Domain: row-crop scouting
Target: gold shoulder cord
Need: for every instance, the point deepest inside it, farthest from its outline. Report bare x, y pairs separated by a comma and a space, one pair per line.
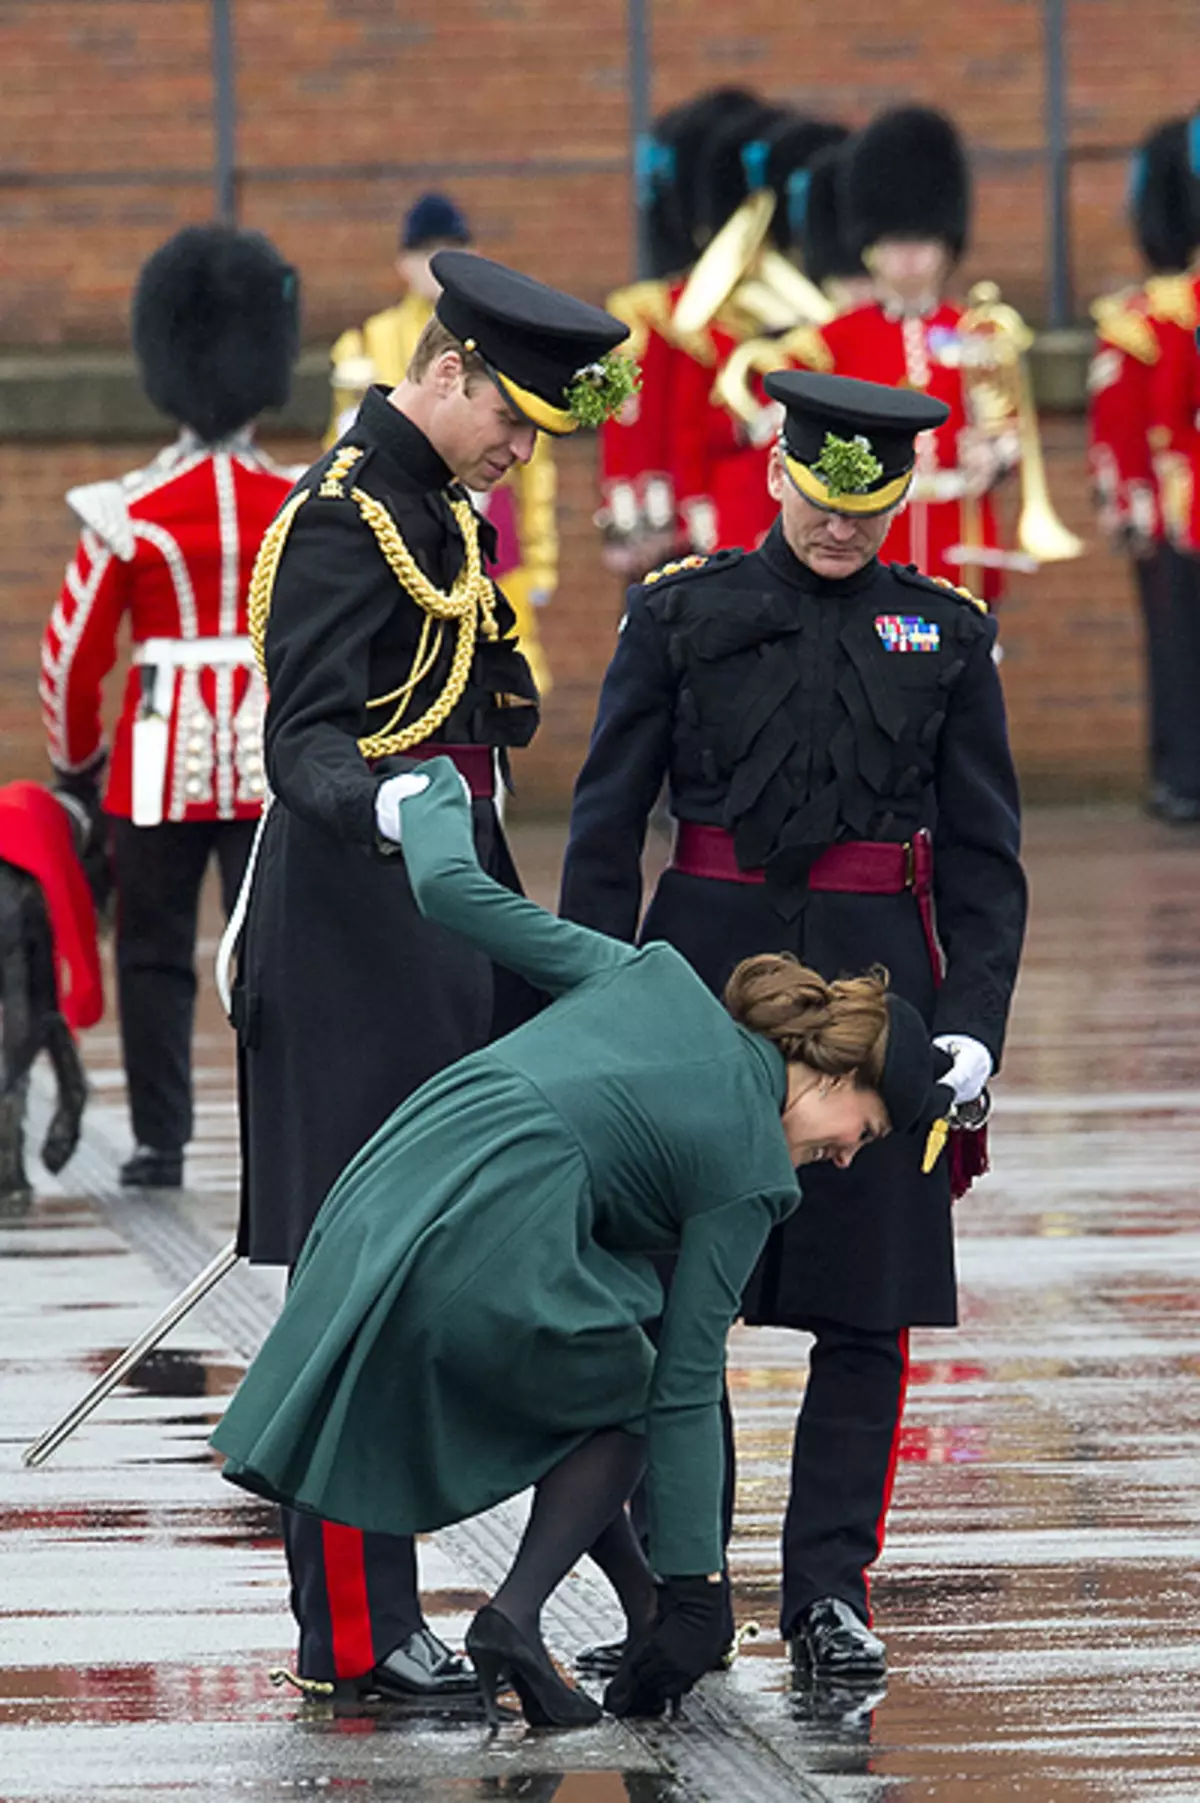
470, 603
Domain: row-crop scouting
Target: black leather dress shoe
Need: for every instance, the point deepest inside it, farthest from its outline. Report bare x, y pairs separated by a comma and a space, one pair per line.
421, 1669
421, 1674
1172, 806
830, 1640
151, 1168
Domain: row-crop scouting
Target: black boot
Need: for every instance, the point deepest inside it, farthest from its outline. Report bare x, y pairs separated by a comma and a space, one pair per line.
829, 1640
152, 1167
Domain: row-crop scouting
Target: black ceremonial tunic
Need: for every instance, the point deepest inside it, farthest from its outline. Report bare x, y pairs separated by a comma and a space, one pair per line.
347, 1000
769, 699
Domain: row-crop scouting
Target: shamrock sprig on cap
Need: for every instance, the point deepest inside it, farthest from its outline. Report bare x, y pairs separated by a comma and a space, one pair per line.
847, 466
600, 390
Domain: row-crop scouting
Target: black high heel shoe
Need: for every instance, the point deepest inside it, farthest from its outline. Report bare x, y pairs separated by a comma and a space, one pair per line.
499, 1651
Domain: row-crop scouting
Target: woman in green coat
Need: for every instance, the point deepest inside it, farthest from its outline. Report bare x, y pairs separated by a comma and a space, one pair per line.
466, 1317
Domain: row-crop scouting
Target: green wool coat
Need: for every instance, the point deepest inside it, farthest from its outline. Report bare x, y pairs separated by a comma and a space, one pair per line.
468, 1307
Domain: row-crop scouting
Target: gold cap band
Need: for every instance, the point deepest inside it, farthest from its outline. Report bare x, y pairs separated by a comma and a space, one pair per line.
814, 490
555, 420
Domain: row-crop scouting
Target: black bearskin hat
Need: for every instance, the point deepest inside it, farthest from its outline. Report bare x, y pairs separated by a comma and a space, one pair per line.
216, 328
825, 249
908, 178
667, 173
733, 163
792, 155
1164, 194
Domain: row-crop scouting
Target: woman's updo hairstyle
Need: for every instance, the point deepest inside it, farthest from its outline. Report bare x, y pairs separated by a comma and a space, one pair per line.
839, 1028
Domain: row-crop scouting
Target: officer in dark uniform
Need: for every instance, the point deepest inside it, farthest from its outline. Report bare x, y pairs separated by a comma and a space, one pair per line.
833, 733
384, 642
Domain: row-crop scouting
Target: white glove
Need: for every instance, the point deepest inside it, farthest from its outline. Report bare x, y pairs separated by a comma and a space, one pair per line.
972, 1066
388, 798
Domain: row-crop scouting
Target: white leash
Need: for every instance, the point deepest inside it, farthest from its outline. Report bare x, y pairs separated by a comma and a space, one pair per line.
231, 938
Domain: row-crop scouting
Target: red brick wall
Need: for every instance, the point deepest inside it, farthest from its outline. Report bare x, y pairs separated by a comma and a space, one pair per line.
519, 108
396, 94
1072, 656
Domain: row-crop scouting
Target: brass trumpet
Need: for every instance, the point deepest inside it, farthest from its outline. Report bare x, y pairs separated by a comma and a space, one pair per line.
999, 392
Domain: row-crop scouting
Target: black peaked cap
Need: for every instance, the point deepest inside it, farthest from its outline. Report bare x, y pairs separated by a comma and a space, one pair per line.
536, 336
889, 417
216, 328
908, 177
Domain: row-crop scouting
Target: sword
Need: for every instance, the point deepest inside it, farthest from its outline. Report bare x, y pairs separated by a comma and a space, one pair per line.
970, 1116
52, 1439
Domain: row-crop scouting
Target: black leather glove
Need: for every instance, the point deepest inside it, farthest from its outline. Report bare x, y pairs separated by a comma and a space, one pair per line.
85, 784
692, 1628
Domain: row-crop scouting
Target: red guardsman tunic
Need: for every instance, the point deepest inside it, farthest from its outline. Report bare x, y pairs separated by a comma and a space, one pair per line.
172, 546
719, 472
1120, 413
922, 352
637, 494
1174, 307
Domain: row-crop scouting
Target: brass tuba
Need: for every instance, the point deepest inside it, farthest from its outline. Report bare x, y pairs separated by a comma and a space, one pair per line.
740, 269
998, 391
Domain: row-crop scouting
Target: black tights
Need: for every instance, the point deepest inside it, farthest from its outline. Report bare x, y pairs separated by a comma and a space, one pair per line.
578, 1508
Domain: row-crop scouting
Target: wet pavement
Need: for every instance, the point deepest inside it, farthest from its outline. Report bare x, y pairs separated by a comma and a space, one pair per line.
1040, 1592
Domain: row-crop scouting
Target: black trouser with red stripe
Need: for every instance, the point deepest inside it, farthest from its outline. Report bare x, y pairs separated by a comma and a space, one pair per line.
843, 1466
354, 1595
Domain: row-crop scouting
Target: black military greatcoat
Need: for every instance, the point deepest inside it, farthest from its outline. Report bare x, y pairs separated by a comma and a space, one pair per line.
797, 713
346, 999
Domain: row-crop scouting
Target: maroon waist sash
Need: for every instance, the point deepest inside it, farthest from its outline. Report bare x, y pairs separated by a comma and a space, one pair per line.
475, 763
856, 867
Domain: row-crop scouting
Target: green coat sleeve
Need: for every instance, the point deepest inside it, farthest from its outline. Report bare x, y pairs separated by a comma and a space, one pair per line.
685, 1455
450, 887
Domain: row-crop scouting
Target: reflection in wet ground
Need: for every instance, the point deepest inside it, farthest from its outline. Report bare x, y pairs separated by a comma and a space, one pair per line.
1040, 1594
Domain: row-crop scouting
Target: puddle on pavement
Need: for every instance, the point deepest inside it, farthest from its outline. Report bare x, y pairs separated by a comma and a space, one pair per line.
171, 1372
235, 1524
112, 1694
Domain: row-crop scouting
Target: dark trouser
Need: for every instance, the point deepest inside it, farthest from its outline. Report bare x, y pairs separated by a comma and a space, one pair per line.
1181, 677
843, 1466
354, 1595
1153, 577
160, 873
